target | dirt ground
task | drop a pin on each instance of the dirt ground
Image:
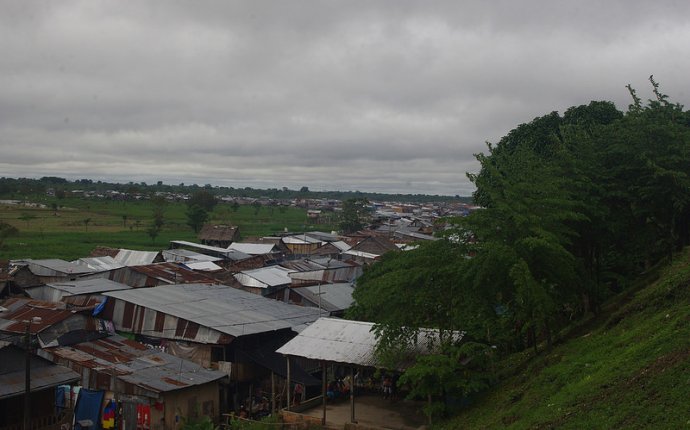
(375, 411)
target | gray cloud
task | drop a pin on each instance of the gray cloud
(382, 96)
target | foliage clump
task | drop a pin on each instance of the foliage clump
(573, 208)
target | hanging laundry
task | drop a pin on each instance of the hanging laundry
(109, 415)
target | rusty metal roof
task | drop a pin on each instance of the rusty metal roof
(20, 310)
(136, 364)
(173, 273)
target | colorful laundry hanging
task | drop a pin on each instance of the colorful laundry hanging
(109, 415)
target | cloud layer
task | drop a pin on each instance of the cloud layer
(390, 96)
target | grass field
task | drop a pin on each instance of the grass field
(79, 225)
(628, 369)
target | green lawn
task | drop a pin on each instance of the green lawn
(65, 233)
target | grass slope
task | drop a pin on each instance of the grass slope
(628, 369)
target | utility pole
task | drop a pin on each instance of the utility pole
(27, 378)
(27, 373)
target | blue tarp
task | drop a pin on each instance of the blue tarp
(88, 407)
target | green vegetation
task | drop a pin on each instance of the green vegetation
(576, 208)
(627, 368)
(63, 233)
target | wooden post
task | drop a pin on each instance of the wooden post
(352, 394)
(251, 400)
(323, 391)
(289, 397)
(273, 393)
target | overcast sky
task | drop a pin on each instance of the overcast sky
(389, 96)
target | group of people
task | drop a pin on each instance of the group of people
(338, 389)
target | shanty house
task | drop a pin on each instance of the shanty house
(45, 376)
(218, 235)
(134, 374)
(214, 325)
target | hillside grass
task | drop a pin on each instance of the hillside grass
(629, 368)
(63, 233)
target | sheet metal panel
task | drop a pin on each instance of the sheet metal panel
(100, 264)
(217, 309)
(230, 254)
(87, 286)
(130, 257)
(253, 248)
(352, 342)
(334, 297)
(340, 341)
(272, 276)
(135, 364)
(183, 255)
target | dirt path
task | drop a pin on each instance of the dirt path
(374, 411)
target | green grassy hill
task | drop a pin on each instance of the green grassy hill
(628, 368)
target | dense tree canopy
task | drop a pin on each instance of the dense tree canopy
(573, 207)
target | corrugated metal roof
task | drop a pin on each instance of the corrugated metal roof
(204, 266)
(133, 363)
(44, 374)
(334, 297)
(253, 248)
(172, 273)
(88, 286)
(130, 257)
(271, 276)
(20, 310)
(352, 342)
(100, 264)
(300, 240)
(54, 266)
(323, 236)
(230, 254)
(221, 308)
(341, 245)
(336, 340)
(362, 254)
(184, 255)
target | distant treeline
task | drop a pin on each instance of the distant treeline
(18, 188)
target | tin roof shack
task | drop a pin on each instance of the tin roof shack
(126, 368)
(45, 376)
(181, 255)
(230, 255)
(28, 273)
(214, 325)
(332, 299)
(301, 244)
(219, 235)
(84, 292)
(370, 249)
(156, 274)
(269, 250)
(264, 281)
(57, 326)
(316, 270)
(353, 344)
